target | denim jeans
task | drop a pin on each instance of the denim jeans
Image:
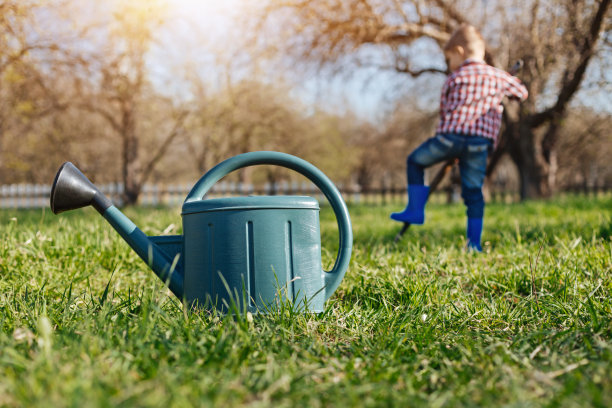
(472, 153)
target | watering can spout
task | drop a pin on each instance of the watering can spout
(72, 189)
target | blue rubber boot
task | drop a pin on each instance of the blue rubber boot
(474, 232)
(414, 213)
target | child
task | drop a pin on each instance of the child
(470, 119)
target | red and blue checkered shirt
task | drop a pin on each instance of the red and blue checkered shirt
(471, 99)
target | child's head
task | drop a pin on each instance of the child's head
(466, 42)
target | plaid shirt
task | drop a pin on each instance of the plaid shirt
(471, 99)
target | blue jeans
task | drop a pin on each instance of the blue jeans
(472, 153)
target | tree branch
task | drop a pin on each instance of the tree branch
(174, 132)
(405, 69)
(407, 33)
(572, 83)
(451, 12)
(105, 114)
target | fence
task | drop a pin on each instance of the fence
(37, 195)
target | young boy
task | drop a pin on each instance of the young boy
(470, 119)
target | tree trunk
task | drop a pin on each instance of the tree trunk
(536, 174)
(272, 180)
(131, 162)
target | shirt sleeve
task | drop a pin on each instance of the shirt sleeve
(444, 93)
(515, 88)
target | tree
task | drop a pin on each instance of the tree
(382, 149)
(585, 148)
(125, 93)
(246, 114)
(238, 117)
(557, 40)
(37, 59)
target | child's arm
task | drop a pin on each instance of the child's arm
(515, 88)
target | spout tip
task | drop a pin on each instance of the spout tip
(72, 189)
(52, 198)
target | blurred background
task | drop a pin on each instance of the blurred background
(144, 96)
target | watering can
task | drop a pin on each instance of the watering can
(251, 252)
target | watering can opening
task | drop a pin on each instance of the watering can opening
(250, 203)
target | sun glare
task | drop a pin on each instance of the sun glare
(214, 6)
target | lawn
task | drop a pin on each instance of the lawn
(422, 323)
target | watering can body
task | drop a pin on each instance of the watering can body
(253, 251)
(248, 252)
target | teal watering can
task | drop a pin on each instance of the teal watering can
(248, 251)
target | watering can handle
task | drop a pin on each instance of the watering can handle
(333, 277)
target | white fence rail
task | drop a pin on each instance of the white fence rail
(37, 195)
(24, 196)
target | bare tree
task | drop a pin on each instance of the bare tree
(37, 64)
(557, 39)
(382, 149)
(125, 92)
(585, 148)
(247, 114)
(558, 42)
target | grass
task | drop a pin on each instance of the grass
(424, 323)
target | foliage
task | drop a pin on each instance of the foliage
(585, 147)
(527, 323)
(248, 115)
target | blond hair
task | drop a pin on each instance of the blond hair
(467, 37)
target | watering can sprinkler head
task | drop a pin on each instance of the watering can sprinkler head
(72, 189)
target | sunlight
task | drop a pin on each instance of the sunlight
(208, 6)
(140, 18)
(142, 10)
